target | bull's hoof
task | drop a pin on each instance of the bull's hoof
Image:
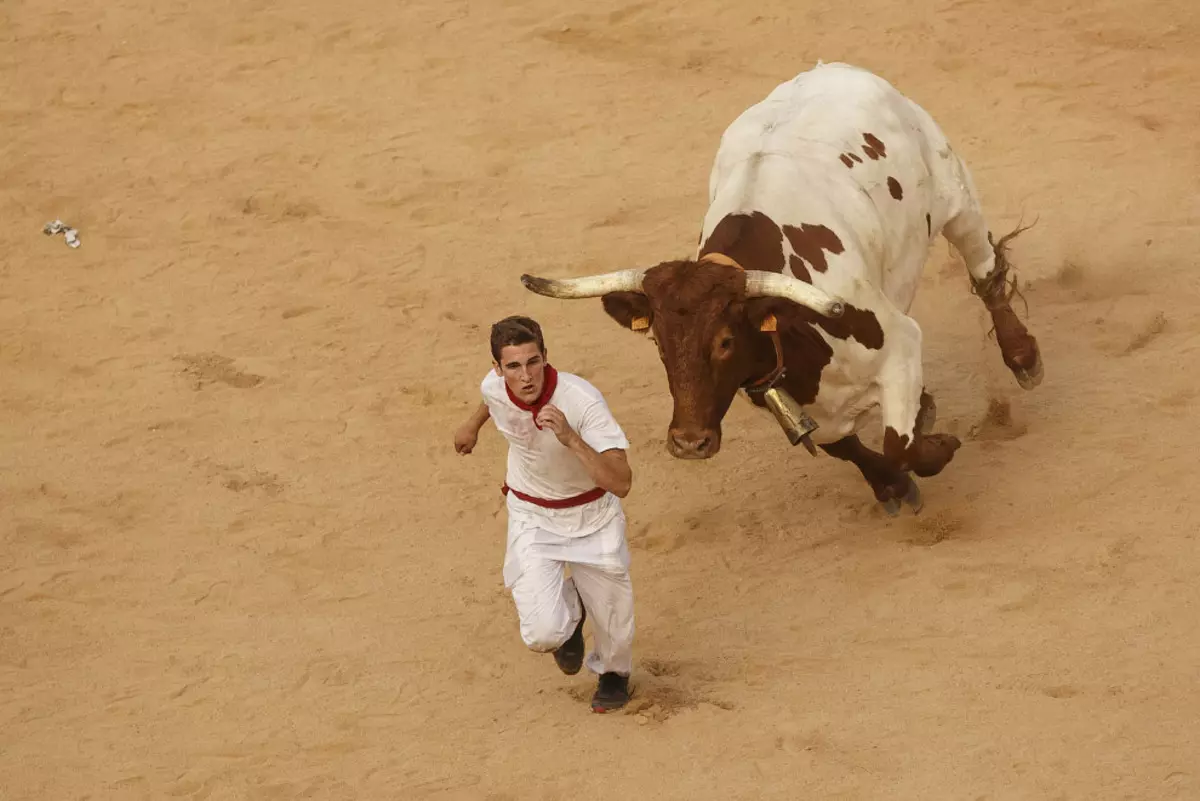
(928, 414)
(1030, 377)
(912, 498)
(1018, 347)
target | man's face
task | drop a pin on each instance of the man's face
(523, 368)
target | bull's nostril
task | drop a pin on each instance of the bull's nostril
(682, 444)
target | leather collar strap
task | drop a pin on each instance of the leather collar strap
(769, 325)
(723, 260)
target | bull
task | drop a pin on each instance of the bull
(824, 200)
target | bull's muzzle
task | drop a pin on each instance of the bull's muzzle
(693, 443)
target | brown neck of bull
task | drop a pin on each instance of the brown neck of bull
(805, 354)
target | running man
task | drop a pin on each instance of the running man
(567, 471)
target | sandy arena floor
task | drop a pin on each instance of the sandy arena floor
(239, 558)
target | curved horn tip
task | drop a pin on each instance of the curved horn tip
(534, 284)
(837, 309)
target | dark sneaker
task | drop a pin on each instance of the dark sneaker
(612, 692)
(569, 655)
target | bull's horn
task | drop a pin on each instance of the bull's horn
(775, 285)
(592, 286)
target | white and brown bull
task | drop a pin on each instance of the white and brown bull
(824, 200)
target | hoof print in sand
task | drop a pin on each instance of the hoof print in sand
(208, 368)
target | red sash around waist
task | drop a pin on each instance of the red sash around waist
(561, 503)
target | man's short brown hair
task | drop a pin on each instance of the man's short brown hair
(516, 330)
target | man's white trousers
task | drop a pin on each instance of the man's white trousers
(535, 565)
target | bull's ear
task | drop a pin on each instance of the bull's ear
(630, 309)
(760, 310)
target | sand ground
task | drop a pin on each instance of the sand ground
(239, 558)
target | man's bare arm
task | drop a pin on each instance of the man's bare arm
(468, 433)
(610, 470)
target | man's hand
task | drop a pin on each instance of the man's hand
(609, 470)
(551, 417)
(467, 434)
(465, 439)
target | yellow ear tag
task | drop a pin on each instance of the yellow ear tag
(769, 324)
(640, 323)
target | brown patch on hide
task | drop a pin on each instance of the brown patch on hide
(811, 242)
(798, 269)
(861, 325)
(752, 240)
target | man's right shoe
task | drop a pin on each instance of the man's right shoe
(612, 692)
(569, 655)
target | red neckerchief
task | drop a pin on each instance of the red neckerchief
(550, 383)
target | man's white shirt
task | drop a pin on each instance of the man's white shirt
(542, 467)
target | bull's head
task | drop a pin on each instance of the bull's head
(705, 318)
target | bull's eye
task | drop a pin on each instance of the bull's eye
(726, 343)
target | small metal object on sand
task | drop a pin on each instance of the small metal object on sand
(71, 235)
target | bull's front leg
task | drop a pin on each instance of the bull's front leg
(907, 409)
(889, 485)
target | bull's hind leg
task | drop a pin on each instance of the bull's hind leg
(907, 409)
(988, 267)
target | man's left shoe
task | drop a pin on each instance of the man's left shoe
(569, 655)
(612, 692)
